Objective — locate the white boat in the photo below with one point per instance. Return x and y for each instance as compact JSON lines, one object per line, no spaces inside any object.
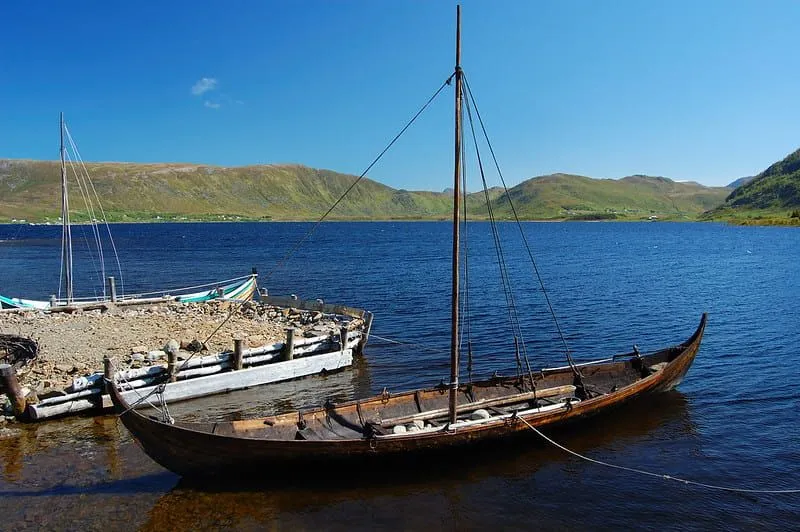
{"x":241,"y":288}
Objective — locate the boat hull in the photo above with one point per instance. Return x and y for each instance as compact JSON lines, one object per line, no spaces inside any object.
{"x":249,"y":448}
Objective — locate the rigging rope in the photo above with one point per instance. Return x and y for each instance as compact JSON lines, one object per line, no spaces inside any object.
{"x":567,"y":351}
{"x":95,"y":232}
{"x":650,"y":473}
{"x":90,"y":190}
{"x":466,"y":321}
{"x":513,"y":315}
{"x":360,"y":177}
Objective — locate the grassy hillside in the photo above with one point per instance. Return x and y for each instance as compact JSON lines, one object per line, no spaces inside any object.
{"x":131,"y":192}
{"x":772,"y":197}
{"x":30,"y":190}
{"x":633,"y":197}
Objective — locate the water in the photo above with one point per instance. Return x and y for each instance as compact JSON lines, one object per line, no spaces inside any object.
{"x":733,"y":421}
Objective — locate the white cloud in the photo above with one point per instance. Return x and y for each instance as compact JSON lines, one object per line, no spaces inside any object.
{"x":211,"y":105}
{"x":204,"y":85}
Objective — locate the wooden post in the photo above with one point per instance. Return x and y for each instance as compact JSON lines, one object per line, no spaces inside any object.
{"x":52,"y":300}
{"x":10,"y":383}
{"x":107,"y":373}
{"x":288,"y":346}
{"x":172,"y":365}
{"x":343,"y":337}
{"x":237,"y":353}
{"x":112,"y":289}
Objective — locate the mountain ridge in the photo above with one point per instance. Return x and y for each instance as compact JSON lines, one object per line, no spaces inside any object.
{"x":30,"y":189}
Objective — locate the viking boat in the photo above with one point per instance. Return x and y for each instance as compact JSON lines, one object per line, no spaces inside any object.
{"x":409,"y":426}
{"x":240,"y":288}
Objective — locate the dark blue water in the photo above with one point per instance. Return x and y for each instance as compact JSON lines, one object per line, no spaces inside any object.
{"x":733,"y":422}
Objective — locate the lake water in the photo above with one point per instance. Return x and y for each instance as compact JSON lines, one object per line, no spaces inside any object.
{"x":734,"y":420}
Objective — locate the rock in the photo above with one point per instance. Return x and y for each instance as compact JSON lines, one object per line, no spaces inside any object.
{"x":480,"y":414}
{"x":194,"y":346}
{"x":152,"y":356}
{"x":420,"y":424}
{"x":137,"y":357}
{"x":399,"y":429}
{"x":63,"y":368}
{"x":172,"y":346}
{"x":139,"y":349}
{"x":256,"y":340}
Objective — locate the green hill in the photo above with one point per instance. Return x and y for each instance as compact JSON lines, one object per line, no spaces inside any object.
{"x":574,"y":196}
{"x":773,"y":196}
{"x":132,"y":192}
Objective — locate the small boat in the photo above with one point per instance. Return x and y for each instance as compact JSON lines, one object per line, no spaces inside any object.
{"x":407,"y":427}
{"x":241,"y":288}
{"x":238,"y":289}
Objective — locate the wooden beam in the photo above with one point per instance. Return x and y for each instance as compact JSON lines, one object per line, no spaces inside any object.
{"x":10,"y":383}
{"x":483,"y":403}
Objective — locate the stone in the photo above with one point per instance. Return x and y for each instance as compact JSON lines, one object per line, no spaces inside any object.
{"x":139,"y":349}
{"x":480,"y":414}
{"x":172,"y":346}
{"x":399,"y":429}
{"x":152,"y":356}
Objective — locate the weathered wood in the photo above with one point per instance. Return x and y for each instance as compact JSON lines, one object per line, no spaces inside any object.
{"x":66,"y":398}
{"x":10,"y":384}
{"x":197,"y":382}
{"x":237,"y":353}
{"x":248,"y":377}
{"x":483,"y":403}
{"x":112,"y":289}
{"x":37,"y":412}
{"x":288,"y":345}
{"x":172,"y":365}
{"x":108,"y":373}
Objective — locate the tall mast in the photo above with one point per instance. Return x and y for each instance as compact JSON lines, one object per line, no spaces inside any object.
{"x":456,"y":220}
{"x":66,"y":232}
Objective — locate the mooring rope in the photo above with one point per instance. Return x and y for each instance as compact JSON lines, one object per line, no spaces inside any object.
{"x":650,"y":473}
{"x":421,"y":347}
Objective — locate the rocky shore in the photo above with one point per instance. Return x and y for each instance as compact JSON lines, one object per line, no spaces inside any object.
{"x":74,"y":344}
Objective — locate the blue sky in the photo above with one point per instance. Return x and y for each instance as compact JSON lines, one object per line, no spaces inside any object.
{"x":705,"y":91}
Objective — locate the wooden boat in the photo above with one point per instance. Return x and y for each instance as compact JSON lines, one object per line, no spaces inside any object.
{"x":413,"y":425}
{"x":241,"y":288}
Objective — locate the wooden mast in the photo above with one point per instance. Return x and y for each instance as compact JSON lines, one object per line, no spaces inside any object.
{"x":66,"y":232}
{"x":454,"y":346}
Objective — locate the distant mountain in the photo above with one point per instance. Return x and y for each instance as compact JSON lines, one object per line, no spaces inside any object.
{"x":741,"y":181}
{"x":131,"y":192}
{"x":30,"y":189}
{"x":776,"y":188}
{"x":638,"y":196}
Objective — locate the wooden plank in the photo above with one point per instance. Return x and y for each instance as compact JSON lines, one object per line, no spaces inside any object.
{"x":246,"y":378}
{"x":210,"y":384}
{"x":497,"y":401}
